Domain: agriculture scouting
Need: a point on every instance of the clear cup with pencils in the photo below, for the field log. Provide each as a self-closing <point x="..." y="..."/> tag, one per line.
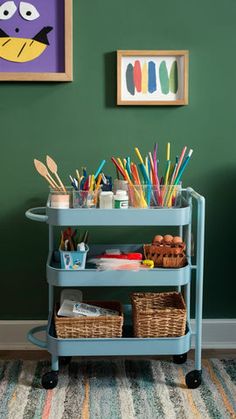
<point x="139" y="195"/>
<point x="167" y="196"/>
<point x="86" y="190"/>
<point x="85" y="199"/>
<point x="147" y="188"/>
<point x="153" y="196"/>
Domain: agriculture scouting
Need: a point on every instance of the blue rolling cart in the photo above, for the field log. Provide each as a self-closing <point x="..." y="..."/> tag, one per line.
<point x="178" y="278"/>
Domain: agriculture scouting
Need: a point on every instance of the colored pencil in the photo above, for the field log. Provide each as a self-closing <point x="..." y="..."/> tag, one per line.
<point x="183" y="167"/>
<point x="78" y="175"/>
<point x="168" y="151"/>
<point x="99" y="169"/>
<point x="181" y="171"/>
<point x="139" y="155"/>
<point x="98" y="182"/>
<point x="167" y="172"/>
<point x="180" y="161"/>
<point x="167" y="198"/>
<point x="118" y="167"/>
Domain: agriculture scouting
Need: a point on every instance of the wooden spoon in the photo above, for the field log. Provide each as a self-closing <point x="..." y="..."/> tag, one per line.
<point x="43" y="171"/>
<point x="53" y="168"/>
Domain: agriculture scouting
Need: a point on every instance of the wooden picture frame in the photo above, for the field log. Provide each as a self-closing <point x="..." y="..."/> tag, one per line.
<point x="150" y="77"/>
<point x="57" y="55"/>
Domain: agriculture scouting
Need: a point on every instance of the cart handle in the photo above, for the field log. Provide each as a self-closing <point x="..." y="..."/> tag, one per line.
<point x="33" y="214"/>
<point x="196" y="195"/>
<point x="200" y="233"/>
<point x="33" y="339"/>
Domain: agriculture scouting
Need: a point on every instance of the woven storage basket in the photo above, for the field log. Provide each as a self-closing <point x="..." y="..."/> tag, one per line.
<point x="158" y="314"/>
<point x="91" y="327"/>
<point x="166" y="256"/>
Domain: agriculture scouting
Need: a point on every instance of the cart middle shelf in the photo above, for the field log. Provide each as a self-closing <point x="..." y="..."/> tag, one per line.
<point x="90" y="277"/>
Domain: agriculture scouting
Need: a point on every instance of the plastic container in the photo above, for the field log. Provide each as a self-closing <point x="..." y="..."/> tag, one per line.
<point x="75" y="260"/>
<point x="85" y="199"/>
<point x="106" y="200"/>
<point x="121" y="199"/>
<point x="151" y="196"/>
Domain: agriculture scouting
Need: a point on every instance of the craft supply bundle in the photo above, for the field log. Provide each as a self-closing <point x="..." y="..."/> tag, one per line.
<point x="138" y="182"/>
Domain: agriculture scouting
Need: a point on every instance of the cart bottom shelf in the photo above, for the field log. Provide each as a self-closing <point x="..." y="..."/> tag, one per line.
<point x="125" y="346"/>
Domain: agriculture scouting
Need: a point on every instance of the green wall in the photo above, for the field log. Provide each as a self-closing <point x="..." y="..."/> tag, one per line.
<point x="79" y="123"/>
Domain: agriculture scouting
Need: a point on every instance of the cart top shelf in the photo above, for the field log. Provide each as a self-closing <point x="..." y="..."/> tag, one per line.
<point x="178" y="216"/>
<point x="118" y="217"/>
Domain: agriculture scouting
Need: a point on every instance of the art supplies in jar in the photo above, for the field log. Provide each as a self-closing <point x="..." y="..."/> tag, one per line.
<point x="143" y="185"/>
<point x="85" y="187"/>
<point x="73" y="252"/>
<point x="147" y="188"/>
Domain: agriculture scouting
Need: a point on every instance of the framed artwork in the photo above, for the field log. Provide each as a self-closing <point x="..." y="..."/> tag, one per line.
<point x="152" y="77"/>
<point x="36" y="40"/>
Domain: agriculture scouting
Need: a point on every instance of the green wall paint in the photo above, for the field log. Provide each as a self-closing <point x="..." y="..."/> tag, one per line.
<point x="79" y="123"/>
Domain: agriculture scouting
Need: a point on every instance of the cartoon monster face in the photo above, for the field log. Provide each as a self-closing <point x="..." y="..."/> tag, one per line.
<point x="30" y="32"/>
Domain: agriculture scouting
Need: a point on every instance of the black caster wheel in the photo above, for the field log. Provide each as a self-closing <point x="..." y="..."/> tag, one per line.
<point x="193" y="379"/>
<point x="180" y="359"/>
<point x="65" y="360"/>
<point x="50" y="380"/>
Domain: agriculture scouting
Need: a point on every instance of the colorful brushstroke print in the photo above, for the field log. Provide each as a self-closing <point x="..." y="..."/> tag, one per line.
<point x="142" y="78"/>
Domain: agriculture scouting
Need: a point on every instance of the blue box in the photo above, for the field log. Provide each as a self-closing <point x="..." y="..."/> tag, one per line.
<point x="74" y="260"/>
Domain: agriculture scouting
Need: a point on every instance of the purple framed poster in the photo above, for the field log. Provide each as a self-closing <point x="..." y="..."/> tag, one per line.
<point x="36" y="40"/>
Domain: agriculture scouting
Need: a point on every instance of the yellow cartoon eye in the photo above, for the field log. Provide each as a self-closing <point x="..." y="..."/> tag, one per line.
<point x="28" y="11"/>
<point x="7" y="10"/>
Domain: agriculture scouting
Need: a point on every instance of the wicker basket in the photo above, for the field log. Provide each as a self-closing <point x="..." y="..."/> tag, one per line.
<point x="166" y="256"/>
<point x="158" y="314"/>
<point x="91" y="327"/>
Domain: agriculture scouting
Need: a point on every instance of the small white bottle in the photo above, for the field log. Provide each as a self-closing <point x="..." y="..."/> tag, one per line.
<point x="106" y="200"/>
<point x="121" y="199"/>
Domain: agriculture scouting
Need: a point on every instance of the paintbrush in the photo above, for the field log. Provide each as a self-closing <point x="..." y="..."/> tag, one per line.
<point x="43" y="171"/>
<point x="53" y="168"/>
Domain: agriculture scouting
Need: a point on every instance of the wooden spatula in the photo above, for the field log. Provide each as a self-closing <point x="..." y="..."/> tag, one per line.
<point x="53" y="168"/>
<point x="43" y="171"/>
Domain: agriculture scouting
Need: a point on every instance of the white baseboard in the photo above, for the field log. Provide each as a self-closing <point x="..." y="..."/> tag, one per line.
<point x="13" y="334"/>
<point x="217" y="334"/>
